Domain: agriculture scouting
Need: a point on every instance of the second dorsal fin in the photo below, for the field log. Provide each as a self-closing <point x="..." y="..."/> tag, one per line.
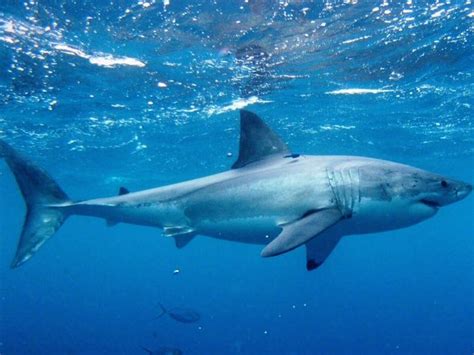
<point x="122" y="191"/>
<point x="257" y="140"/>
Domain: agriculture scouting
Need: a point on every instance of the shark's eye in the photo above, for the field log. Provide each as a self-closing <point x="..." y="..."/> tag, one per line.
<point x="444" y="183"/>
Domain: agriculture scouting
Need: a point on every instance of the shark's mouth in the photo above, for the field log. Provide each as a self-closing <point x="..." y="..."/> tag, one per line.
<point x="432" y="204"/>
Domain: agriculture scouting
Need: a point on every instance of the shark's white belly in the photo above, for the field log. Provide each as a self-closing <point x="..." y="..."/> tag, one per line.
<point x="257" y="230"/>
<point x="373" y="216"/>
<point x="251" y="208"/>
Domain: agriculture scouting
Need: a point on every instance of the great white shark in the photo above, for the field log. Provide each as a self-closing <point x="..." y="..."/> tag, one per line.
<point x="270" y="197"/>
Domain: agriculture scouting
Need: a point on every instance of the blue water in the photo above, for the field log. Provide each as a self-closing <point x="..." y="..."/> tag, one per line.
<point x="104" y="94"/>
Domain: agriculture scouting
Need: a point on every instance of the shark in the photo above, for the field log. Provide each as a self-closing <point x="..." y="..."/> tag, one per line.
<point x="270" y="196"/>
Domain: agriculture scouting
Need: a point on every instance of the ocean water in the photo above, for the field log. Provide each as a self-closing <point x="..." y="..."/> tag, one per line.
<point x="104" y="94"/>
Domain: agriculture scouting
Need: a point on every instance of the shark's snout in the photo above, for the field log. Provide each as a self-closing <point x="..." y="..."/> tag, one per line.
<point x="463" y="191"/>
<point x="458" y="190"/>
<point x="444" y="192"/>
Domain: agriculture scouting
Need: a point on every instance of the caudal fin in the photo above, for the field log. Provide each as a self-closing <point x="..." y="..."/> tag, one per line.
<point x="147" y="350"/>
<point x="163" y="311"/>
<point x="43" y="198"/>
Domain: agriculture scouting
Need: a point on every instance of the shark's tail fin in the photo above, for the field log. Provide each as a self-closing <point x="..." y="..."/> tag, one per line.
<point x="43" y="198"/>
<point x="163" y="311"/>
<point x="147" y="350"/>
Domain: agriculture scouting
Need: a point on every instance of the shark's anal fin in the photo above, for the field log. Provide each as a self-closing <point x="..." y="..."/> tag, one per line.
<point x="257" y="141"/>
<point x="302" y="231"/>
<point x="110" y="223"/>
<point x="319" y="248"/>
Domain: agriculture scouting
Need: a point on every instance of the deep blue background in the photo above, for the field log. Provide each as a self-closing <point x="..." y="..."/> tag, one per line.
<point x="94" y="289"/>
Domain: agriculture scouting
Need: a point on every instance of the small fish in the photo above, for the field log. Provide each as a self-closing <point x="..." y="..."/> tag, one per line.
<point x="181" y="315"/>
<point x="164" y="350"/>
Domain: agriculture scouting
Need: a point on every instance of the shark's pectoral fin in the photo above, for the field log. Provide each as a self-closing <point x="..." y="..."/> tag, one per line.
<point x="319" y="248"/>
<point x="257" y="141"/>
<point x="183" y="240"/>
<point x="301" y="231"/>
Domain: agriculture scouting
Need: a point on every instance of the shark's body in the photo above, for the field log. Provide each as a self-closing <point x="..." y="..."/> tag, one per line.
<point x="251" y="204"/>
<point x="270" y="197"/>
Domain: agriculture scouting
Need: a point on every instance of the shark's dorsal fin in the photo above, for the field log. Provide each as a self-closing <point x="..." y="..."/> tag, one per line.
<point x="257" y="141"/>
<point x="123" y="191"/>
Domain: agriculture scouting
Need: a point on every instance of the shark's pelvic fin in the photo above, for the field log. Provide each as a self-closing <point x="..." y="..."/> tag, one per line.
<point x="319" y="248"/>
<point x="45" y="202"/>
<point x="183" y="240"/>
<point x="110" y="223"/>
<point x="178" y="231"/>
<point x="301" y="231"/>
<point x="257" y="141"/>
